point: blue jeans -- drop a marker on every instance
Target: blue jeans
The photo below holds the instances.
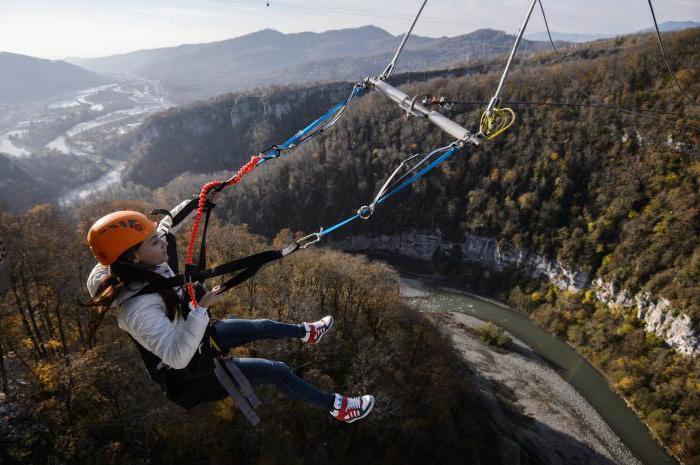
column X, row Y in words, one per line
column 230, row 333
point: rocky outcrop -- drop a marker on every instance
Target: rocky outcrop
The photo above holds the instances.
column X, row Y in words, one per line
column 657, row 314
column 676, row 330
column 482, row 250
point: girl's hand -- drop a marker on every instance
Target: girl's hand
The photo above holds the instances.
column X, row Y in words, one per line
column 212, row 298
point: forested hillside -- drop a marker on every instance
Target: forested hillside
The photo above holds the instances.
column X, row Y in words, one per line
column 603, row 191
column 76, row 392
column 28, row 181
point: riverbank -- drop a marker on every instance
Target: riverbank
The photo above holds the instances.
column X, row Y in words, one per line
column 562, row 427
column 600, row 371
column 433, row 294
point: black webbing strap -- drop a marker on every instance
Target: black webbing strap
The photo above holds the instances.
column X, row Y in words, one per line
column 202, row 264
column 186, row 210
column 240, row 278
column 246, row 266
column 179, row 217
column 252, row 261
column 173, row 261
column 238, row 387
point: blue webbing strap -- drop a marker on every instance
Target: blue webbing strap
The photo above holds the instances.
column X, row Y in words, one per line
column 400, row 187
column 292, row 141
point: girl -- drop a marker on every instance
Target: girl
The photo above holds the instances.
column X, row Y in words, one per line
column 176, row 341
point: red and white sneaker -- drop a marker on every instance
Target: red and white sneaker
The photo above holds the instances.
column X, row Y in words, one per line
column 316, row 330
column 349, row 409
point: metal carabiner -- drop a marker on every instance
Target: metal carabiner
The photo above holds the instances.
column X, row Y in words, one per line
column 365, row 211
column 308, row 241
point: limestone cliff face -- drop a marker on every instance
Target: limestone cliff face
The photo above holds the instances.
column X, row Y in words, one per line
column 657, row 314
column 482, row 250
column 676, row 330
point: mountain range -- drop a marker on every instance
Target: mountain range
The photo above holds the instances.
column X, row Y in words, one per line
column 269, row 57
column 25, row 78
column 667, row 26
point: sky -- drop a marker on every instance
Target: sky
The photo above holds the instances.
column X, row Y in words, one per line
column 57, row 29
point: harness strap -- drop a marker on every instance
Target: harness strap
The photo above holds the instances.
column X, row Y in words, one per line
column 246, row 266
column 202, row 264
column 227, row 373
column 172, row 253
column 238, row 387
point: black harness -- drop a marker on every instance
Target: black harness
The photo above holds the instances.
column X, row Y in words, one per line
column 188, row 386
column 210, row 375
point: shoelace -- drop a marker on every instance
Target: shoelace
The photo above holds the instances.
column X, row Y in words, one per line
column 318, row 329
column 354, row 403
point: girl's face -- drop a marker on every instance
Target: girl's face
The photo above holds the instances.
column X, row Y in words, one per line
column 153, row 251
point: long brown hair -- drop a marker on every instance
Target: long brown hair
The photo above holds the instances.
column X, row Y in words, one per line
column 124, row 272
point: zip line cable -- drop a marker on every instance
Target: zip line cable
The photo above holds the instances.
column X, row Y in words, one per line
column 557, row 56
column 640, row 112
column 566, row 104
column 495, row 120
column 579, row 87
column 390, row 67
column 497, row 95
column 663, row 52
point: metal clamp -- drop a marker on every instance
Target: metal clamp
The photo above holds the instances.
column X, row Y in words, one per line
column 311, row 239
column 411, row 109
column 475, row 139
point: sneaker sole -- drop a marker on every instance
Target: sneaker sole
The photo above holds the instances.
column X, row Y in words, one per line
column 371, row 406
column 326, row 332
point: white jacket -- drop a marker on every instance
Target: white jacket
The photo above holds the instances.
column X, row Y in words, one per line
column 145, row 316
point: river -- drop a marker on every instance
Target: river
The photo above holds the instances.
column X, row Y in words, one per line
column 118, row 108
column 569, row 364
column 101, row 184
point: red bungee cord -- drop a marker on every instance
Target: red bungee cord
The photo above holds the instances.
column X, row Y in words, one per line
column 248, row 167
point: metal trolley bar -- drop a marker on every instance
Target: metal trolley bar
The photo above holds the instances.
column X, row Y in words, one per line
column 410, row 105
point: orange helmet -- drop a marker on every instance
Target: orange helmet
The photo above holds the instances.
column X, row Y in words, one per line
column 114, row 234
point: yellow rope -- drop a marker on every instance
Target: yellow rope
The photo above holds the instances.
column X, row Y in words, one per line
column 496, row 121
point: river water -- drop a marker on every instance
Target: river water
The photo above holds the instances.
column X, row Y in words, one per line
column 119, row 108
column 102, row 183
column 571, row 366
